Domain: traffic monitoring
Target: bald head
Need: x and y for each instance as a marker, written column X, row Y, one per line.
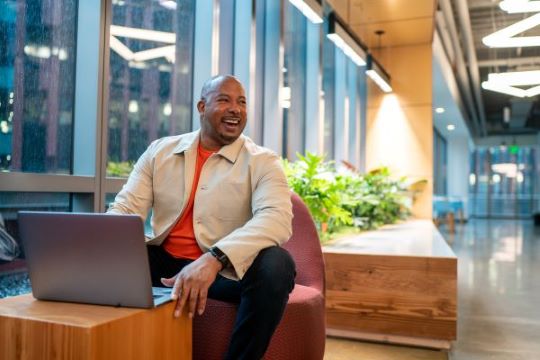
column 212, row 84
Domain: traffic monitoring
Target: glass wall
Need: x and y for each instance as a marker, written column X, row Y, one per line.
column 150, row 77
column 37, row 82
column 502, row 184
column 294, row 81
column 72, row 126
column 440, row 164
column 328, row 95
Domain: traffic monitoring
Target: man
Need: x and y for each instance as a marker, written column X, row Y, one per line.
column 220, row 210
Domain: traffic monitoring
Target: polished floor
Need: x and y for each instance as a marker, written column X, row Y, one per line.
column 498, row 298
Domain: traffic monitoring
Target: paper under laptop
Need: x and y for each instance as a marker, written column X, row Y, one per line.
column 89, row 258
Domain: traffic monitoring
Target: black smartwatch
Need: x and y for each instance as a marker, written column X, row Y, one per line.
column 220, row 256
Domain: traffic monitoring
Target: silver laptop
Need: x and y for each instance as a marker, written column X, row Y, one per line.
column 89, row 258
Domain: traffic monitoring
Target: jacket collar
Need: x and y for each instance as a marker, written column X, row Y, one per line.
column 191, row 141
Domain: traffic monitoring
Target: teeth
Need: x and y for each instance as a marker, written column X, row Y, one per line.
column 232, row 122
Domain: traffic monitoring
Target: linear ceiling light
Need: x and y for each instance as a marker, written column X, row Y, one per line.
column 120, row 48
column 507, row 37
column 346, row 41
column 377, row 73
column 164, row 51
column 519, row 6
column 143, row 34
column 506, row 83
column 310, row 8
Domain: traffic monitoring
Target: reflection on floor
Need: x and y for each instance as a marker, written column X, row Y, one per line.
column 499, row 298
column 339, row 349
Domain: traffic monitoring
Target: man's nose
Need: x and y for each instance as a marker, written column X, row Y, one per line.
column 234, row 108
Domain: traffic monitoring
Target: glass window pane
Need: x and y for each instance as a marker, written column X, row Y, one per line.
column 328, row 85
column 12, row 202
column 294, row 82
column 37, row 82
column 151, row 48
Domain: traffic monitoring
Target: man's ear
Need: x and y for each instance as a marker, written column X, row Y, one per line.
column 201, row 106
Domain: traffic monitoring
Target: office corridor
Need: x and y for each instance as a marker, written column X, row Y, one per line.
column 498, row 292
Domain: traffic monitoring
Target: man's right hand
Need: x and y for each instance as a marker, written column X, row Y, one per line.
column 192, row 284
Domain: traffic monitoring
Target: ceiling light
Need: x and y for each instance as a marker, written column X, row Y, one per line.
column 168, row 4
column 505, row 168
column 167, row 109
column 506, row 83
column 504, row 89
column 120, row 48
column 143, row 34
column 133, row 106
column 519, row 6
column 346, row 41
column 310, row 8
column 507, row 37
column 154, row 53
column 439, row 110
column 451, row 127
column 377, row 73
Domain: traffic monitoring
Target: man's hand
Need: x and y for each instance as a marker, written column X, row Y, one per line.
column 192, row 284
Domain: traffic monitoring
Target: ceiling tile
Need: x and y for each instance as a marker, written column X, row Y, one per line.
column 376, row 11
column 396, row 33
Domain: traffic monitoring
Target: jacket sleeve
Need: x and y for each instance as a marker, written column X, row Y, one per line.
column 271, row 223
column 136, row 196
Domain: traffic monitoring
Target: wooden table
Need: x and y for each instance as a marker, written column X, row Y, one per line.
column 33, row 329
column 397, row 284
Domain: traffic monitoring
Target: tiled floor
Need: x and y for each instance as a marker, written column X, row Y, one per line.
column 499, row 298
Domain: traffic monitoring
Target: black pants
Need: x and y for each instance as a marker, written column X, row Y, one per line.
column 262, row 295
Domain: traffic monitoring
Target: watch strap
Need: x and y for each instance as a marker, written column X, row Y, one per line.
column 220, row 256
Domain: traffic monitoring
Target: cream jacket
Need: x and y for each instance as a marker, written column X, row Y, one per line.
column 242, row 203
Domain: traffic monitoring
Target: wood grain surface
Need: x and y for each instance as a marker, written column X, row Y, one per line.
column 392, row 295
column 32, row 329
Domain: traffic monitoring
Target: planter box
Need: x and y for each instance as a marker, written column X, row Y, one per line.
column 397, row 284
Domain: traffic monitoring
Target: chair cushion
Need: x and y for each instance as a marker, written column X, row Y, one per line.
column 300, row 334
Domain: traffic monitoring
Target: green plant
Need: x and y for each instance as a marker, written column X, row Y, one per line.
column 119, row 169
column 340, row 199
column 315, row 182
column 380, row 199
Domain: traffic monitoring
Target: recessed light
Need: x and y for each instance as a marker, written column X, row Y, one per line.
column 439, row 110
column 451, row 127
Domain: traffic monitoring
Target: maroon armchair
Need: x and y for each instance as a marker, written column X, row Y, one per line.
column 301, row 332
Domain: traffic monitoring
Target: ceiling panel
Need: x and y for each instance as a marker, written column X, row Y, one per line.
column 377, row 11
column 396, row 33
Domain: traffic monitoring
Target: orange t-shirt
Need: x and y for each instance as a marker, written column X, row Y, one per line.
column 181, row 243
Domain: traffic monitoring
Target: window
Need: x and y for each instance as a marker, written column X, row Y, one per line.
column 294, row 82
column 502, row 184
column 440, row 164
column 37, row 82
column 150, row 77
column 328, row 86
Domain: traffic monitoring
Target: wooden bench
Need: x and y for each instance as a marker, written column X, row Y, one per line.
column 397, row 285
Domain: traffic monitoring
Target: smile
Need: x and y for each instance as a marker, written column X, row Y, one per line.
column 229, row 121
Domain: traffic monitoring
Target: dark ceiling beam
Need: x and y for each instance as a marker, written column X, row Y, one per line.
column 470, row 51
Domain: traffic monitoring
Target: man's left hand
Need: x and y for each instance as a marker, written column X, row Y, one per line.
column 192, row 284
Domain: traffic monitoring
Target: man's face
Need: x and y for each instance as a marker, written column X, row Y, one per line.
column 223, row 114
